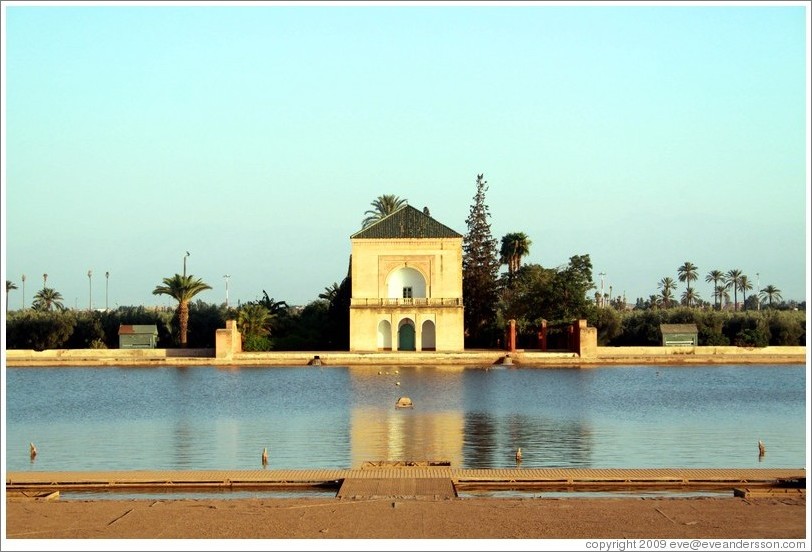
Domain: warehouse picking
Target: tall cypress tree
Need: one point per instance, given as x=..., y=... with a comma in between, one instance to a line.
x=480, y=270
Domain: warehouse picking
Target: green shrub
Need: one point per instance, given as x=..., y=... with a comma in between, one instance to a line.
x=786, y=328
x=608, y=323
x=39, y=330
x=751, y=337
x=256, y=343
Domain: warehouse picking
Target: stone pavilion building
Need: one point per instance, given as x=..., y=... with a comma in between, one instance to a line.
x=406, y=274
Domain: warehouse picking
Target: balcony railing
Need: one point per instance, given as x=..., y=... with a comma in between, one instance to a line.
x=406, y=302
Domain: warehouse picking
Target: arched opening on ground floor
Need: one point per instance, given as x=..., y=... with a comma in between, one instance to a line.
x=428, y=338
x=406, y=335
x=384, y=335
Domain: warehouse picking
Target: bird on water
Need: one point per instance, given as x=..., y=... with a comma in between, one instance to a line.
x=265, y=456
x=519, y=455
x=32, y=450
x=761, y=449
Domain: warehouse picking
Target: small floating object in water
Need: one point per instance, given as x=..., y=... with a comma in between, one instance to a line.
x=397, y=372
x=379, y=372
x=519, y=455
x=32, y=450
x=265, y=456
x=397, y=383
x=761, y=448
x=404, y=402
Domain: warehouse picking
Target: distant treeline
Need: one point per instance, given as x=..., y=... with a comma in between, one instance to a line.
x=742, y=328
x=307, y=328
x=316, y=328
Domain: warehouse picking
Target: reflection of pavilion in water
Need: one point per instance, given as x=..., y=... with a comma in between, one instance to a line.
x=405, y=434
x=458, y=417
x=432, y=430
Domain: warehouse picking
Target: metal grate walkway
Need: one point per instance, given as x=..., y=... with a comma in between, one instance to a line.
x=408, y=476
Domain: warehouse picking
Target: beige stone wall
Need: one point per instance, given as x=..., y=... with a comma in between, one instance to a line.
x=375, y=262
x=439, y=260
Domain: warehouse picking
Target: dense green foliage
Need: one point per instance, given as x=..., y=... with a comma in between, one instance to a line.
x=534, y=293
x=742, y=329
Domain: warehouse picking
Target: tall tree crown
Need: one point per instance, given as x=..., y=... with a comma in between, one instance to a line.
x=480, y=266
x=383, y=206
x=181, y=288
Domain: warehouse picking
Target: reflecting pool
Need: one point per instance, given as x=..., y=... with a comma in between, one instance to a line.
x=196, y=418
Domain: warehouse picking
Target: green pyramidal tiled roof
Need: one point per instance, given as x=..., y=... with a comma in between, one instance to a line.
x=406, y=222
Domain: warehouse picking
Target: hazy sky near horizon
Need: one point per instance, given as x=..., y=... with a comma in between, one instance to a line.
x=255, y=137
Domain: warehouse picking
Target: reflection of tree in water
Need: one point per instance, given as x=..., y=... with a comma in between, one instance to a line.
x=491, y=442
x=480, y=443
x=182, y=447
x=551, y=443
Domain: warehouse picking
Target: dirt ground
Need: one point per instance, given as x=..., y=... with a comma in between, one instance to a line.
x=461, y=518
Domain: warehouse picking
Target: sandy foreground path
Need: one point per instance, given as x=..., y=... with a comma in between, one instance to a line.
x=466, y=518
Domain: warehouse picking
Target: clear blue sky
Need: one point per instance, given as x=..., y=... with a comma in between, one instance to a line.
x=255, y=137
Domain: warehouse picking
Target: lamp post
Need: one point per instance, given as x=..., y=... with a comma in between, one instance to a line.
x=226, y=276
x=106, y=288
x=602, y=274
x=184, y=264
x=23, y=278
x=44, y=280
x=90, y=290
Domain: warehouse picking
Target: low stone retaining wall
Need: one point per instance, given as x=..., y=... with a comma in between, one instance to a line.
x=527, y=358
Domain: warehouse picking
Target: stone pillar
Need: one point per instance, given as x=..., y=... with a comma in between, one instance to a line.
x=511, y=344
x=227, y=341
x=587, y=340
x=542, y=335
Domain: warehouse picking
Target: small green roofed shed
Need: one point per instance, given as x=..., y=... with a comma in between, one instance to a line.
x=679, y=335
x=137, y=336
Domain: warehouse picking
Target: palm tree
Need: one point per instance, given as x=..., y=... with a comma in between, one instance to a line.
x=715, y=276
x=274, y=307
x=687, y=273
x=384, y=206
x=654, y=301
x=182, y=289
x=771, y=292
x=46, y=298
x=745, y=286
x=720, y=293
x=330, y=292
x=732, y=279
x=253, y=320
x=667, y=285
x=9, y=286
x=690, y=296
x=514, y=246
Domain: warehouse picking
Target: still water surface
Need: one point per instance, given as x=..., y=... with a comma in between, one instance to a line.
x=199, y=418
